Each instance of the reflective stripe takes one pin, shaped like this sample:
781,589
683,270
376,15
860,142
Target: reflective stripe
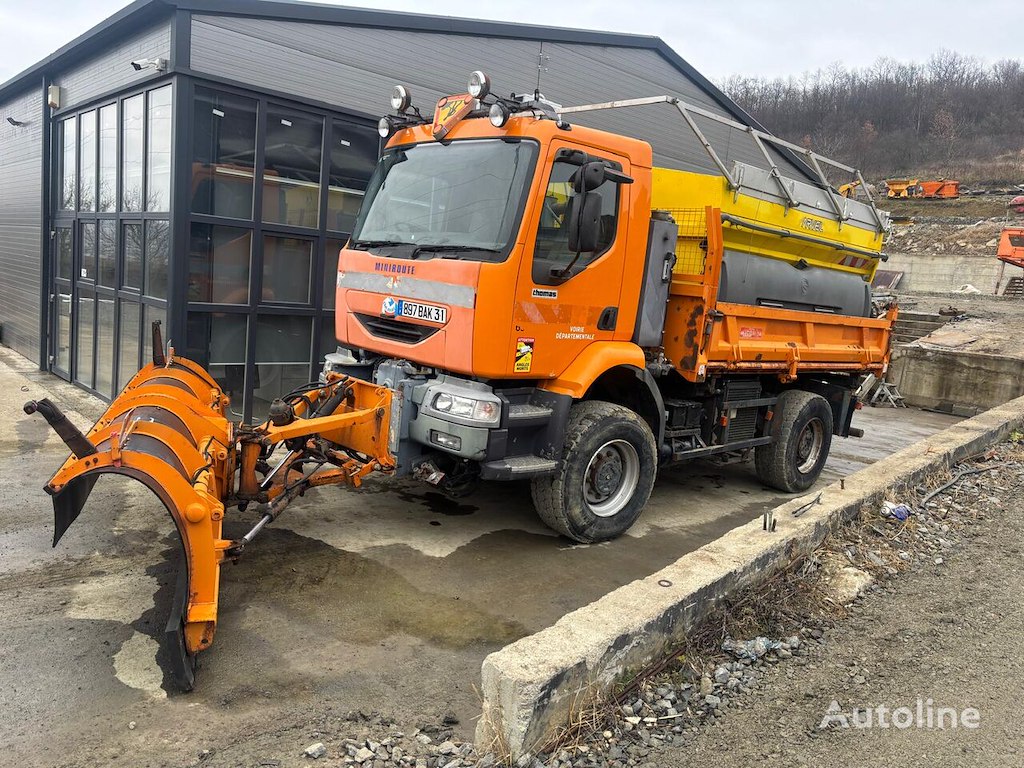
410,288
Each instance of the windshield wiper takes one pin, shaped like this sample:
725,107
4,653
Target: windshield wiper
364,244
440,248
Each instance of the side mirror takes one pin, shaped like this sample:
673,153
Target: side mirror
588,177
584,217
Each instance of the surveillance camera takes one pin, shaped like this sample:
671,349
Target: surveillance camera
158,64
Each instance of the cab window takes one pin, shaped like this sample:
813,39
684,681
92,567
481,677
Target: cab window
553,262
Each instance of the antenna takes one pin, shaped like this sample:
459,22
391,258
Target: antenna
541,59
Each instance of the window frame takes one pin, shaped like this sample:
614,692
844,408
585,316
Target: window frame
585,260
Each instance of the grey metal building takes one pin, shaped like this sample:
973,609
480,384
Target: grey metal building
201,162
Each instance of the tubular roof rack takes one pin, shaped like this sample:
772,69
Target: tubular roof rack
759,138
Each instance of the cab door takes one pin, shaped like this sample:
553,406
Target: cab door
565,300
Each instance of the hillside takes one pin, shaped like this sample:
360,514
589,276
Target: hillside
952,116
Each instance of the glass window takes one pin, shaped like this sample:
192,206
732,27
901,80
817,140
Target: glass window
131,244
330,275
218,264
87,153
64,253
291,179
108,252
68,170
467,196
86,317
105,345
354,150
282,357
158,249
223,154
62,344
107,200
552,255
87,270
128,338
131,151
328,340
287,264
217,342
158,150
149,314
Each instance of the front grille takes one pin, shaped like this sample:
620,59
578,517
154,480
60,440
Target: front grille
395,330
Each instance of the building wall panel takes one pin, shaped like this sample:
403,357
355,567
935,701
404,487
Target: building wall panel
351,66
21,157
112,69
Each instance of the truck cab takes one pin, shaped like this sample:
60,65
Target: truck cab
508,278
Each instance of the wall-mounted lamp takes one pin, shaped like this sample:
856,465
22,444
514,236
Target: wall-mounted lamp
15,123
159,65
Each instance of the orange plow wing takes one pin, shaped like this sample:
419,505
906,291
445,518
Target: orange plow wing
168,430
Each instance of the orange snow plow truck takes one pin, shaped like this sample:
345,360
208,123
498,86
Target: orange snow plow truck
524,297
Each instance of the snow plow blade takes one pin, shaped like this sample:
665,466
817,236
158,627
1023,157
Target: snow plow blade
168,430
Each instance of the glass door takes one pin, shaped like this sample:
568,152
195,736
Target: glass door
61,267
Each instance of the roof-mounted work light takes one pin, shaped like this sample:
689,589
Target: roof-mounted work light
479,85
401,99
499,114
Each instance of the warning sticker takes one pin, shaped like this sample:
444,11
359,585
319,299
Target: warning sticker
524,355
747,332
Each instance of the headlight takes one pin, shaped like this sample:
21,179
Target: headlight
499,114
384,127
479,85
486,411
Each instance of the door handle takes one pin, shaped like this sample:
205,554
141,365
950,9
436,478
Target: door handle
608,320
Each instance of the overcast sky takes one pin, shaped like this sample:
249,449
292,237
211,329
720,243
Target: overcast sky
748,37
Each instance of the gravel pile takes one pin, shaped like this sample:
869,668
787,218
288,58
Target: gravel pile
946,235
381,743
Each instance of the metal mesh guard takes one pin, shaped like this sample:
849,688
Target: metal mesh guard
691,247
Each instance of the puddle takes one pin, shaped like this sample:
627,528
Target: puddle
350,597
437,503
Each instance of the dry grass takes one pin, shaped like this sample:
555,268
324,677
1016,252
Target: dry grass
588,713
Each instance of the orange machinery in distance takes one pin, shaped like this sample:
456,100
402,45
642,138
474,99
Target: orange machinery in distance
924,189
1011,246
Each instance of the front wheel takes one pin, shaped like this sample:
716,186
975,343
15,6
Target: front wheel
802,428
606,477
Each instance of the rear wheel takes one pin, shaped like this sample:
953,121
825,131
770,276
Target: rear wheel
606,476
802,428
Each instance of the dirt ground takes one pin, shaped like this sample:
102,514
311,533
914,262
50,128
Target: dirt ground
980,324
951,633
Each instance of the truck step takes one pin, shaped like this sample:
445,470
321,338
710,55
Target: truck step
528,415
515,467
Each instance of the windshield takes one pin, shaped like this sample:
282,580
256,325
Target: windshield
464,198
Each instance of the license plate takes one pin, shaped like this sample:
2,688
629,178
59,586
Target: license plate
414,310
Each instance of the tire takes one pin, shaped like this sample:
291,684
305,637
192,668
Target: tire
802,428
607,474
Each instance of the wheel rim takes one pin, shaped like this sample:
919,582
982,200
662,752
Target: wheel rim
611,478
808,445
